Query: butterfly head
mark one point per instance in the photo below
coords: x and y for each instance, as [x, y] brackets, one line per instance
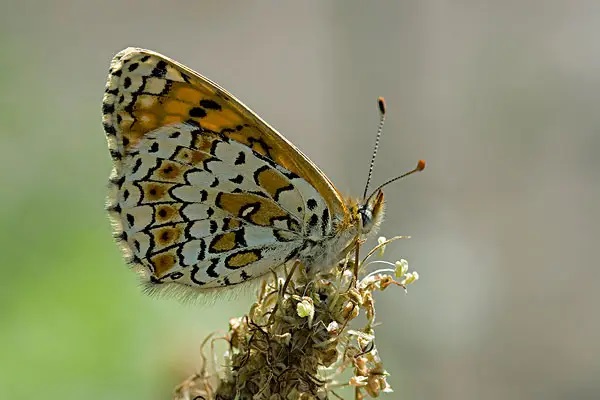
[371, 213]
[372, 208]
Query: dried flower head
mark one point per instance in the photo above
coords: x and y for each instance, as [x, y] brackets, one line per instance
[296, 341]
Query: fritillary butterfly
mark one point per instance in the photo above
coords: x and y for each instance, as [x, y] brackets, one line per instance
[204, 194]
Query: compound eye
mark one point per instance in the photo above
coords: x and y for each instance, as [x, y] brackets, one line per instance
[371, 213]
[367, 219]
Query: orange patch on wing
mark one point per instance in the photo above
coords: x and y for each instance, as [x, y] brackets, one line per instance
[166, 212]
[272, 181]
[185, 93]
[223, 242]
[171, 119]
[126, 122]
[216, 120]
[204, 141]
[155, 191]
[132, 133]
[260, 148]
[167, 235]
[263, 210]
[146, 122]
[238, 137]
[242, 258]
[163, 263]
[233, 223]
[174, 103]
[191, 157]
[176, 107]
[171, 171]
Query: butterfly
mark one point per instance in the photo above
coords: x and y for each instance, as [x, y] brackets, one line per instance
[204, 194]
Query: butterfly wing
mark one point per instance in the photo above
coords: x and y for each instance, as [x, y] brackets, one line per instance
[204, 193]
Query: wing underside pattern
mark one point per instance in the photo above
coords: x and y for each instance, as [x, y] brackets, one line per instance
[204, 193]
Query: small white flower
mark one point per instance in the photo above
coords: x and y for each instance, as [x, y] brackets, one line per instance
[306, 309]
[410, 278]
[333, 328]
[401, 268]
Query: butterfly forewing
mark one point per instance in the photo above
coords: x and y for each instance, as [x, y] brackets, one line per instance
[146, 91]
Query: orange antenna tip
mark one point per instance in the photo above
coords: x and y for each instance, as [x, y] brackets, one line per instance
[420, 167]
[381, 104]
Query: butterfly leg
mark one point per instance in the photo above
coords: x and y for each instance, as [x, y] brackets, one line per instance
[283, 289]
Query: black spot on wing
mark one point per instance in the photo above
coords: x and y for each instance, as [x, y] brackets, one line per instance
[202, 250]
[244, 275]
[241, 158]
[238, 179]
[313, 221]
[136, 166]
[325, 222]
[197, 112]
[160, 70]
[108, 108]
[115, 155]
[114, 208]
[203, 196]
[109, 129]
[210, 104]
[213, 226]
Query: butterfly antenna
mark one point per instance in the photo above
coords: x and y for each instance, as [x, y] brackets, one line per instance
[420, 167]
[381, 105]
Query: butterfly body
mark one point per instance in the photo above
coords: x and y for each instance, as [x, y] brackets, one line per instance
[204, 194]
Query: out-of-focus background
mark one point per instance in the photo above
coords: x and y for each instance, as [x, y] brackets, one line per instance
[500, 97]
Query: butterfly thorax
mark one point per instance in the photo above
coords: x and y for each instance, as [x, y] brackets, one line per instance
[357, 224]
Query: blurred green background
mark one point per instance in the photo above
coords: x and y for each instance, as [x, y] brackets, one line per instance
[500, 97]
